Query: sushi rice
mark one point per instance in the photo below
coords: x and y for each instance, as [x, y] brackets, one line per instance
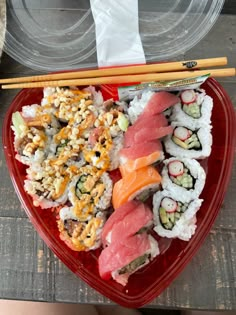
[205, 103]
[138, 104]
[183, 227]
[202, 137]
[194, 172]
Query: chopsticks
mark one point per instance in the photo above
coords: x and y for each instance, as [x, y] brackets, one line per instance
[168, 76]
[129, 74]
[134, 69]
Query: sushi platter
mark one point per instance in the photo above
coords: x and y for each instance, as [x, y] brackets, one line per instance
[123, 192]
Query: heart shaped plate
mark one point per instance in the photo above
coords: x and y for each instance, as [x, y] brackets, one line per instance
[151, 280]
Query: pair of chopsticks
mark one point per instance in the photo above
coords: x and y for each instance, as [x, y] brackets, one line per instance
[129, 74]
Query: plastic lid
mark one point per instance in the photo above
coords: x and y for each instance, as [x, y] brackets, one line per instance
[56, 35]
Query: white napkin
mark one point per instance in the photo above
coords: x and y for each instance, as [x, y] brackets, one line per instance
[2, 23]
[117, 32]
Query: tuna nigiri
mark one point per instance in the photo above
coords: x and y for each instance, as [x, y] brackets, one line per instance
[146, 134]
[125, 256]
[118, 215]
[151, 121]
[135, 185]
[160, 101]
[140, 217]
[151, 103]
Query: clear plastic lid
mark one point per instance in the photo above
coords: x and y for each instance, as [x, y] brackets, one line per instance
[56, 35]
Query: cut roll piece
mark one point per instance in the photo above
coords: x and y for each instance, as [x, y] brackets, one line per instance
[125, 256]
[135, 185]
[47, 185]
[140, 155]
[30, 141]
[195, 108]
[33, 130]
[174, 218]
[151, 103]
[189, 141]
[183, 177]
[102, 149]
[138, 217]
[80, 235]
[89, 191]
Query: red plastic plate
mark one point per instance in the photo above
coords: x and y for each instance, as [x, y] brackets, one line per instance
[150, 281]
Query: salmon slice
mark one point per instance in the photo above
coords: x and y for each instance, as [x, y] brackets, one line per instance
[134, 183]
[132, 165]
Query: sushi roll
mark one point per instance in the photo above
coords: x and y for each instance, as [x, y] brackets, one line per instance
[32, 139]
[174, 218]
[183, 177]
[189, 141]
[96, 96]
[127, 220]
[64, 102]
[151, 103]
[35, 116]
[89, 192]
[125, 256]
[136, 185]
[195, 108]
[106, 140]
[140, 155]
[66, 147]
[47, 184]
[80, 235]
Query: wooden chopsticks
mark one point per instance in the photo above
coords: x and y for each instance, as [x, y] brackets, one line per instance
[138, 69]
[139, 73]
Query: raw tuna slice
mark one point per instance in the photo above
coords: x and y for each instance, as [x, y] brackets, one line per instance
[139, 150]
[159, 102]
[146, 120]
[117, 216]
[135, 220]
[121, 252]
[146, 134]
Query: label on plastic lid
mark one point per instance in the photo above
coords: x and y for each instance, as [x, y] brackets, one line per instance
[129, 92]
[117, 32]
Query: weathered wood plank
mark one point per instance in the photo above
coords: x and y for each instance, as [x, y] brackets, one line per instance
[30, 271]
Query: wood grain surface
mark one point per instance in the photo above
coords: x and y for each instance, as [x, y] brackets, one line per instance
[30, 271]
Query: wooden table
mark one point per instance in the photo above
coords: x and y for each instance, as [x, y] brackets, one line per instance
[30, 271]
